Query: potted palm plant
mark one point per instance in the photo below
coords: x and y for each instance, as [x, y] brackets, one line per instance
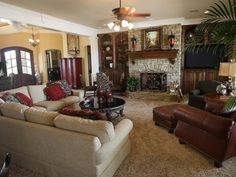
[220, 24]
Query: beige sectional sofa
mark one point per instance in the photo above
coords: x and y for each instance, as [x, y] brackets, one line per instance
[57, 145]
[35, 92]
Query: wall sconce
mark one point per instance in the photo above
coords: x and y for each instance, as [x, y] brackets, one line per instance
[133, 42]
[171, 40]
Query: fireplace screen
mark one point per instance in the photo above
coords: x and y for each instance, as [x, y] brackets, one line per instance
[153, 81]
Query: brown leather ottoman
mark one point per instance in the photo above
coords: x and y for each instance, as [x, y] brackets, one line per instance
[163, 115]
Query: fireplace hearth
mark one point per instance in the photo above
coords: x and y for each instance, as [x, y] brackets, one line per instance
[153, 81]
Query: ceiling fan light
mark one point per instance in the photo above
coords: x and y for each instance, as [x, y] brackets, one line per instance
[110, 25]
[130, 26]
[132, 10]
[31, 40]
[124, 23]
[117, 28]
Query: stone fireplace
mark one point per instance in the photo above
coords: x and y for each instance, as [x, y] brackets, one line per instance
[145, 64]
[153, 81]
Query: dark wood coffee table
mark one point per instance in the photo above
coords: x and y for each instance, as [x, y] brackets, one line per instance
[115, 106]
[109, 108]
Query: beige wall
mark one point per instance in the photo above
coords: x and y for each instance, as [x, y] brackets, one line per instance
[48, 41]
[20, 40]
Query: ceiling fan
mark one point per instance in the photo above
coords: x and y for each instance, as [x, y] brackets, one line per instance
[121, 14]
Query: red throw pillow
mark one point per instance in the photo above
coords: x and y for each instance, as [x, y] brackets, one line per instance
[24, 99]
[99, 116]
[54, 92]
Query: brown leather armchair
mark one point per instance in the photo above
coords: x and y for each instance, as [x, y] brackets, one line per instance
[212, 134]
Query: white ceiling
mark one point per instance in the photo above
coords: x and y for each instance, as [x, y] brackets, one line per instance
[95, 13]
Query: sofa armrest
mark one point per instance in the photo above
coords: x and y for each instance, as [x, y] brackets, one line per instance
[79, 93]
[213, 124]
[194, 92]
[122, 130]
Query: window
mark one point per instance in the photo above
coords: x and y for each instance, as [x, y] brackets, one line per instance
[11, 65]
[18, 60]
[25, 62]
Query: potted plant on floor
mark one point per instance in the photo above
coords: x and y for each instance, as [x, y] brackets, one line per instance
[132, 84]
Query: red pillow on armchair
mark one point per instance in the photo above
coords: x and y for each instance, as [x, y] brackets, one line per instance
[54, 92]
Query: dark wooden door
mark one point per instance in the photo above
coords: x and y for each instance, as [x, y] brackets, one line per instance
[71, 69]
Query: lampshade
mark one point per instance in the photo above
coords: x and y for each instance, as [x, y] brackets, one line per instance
[227, 69]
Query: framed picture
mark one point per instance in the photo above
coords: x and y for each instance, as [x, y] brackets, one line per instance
[152, 39]
[73, 46]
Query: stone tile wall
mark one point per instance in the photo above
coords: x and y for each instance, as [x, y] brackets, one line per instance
[158, 65]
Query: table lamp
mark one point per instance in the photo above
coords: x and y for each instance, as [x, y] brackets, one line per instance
[228, 69]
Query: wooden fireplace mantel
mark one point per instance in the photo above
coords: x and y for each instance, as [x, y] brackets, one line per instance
[157, 54]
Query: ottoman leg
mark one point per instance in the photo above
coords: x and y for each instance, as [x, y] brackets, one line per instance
[171, 130]
[157, 124]
[181, 141]
[217, 164]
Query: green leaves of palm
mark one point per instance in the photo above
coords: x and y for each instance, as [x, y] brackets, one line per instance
[219, 23]
[230, 105]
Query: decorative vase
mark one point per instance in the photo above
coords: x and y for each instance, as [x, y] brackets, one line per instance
[221, 89]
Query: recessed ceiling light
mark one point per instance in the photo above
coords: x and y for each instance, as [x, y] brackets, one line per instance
[193, 10]
[207, 12]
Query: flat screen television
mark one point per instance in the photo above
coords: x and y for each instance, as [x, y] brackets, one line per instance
[205, 58]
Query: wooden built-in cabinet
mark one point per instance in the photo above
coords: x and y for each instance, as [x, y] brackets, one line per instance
[192, 76]
[71, 69]
[113, 55]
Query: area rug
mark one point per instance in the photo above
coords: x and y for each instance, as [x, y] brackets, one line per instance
[155, 152]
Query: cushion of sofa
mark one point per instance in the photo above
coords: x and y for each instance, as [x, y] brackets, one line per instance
[1, 102]
[36, 93]
[13, 110]
[51, 105]
[23, 90]
[10, 97]
[104, 130]
[69, 100]
[24, 99]
[54, 92]
[40, 117]
[40, 108]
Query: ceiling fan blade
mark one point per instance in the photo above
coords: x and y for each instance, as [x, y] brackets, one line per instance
[140, 15]
[124, 10]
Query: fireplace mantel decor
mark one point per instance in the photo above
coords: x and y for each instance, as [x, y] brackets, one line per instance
[157, 54]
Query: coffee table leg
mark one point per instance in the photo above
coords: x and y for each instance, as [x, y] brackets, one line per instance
[121, 112]
[108, 114]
